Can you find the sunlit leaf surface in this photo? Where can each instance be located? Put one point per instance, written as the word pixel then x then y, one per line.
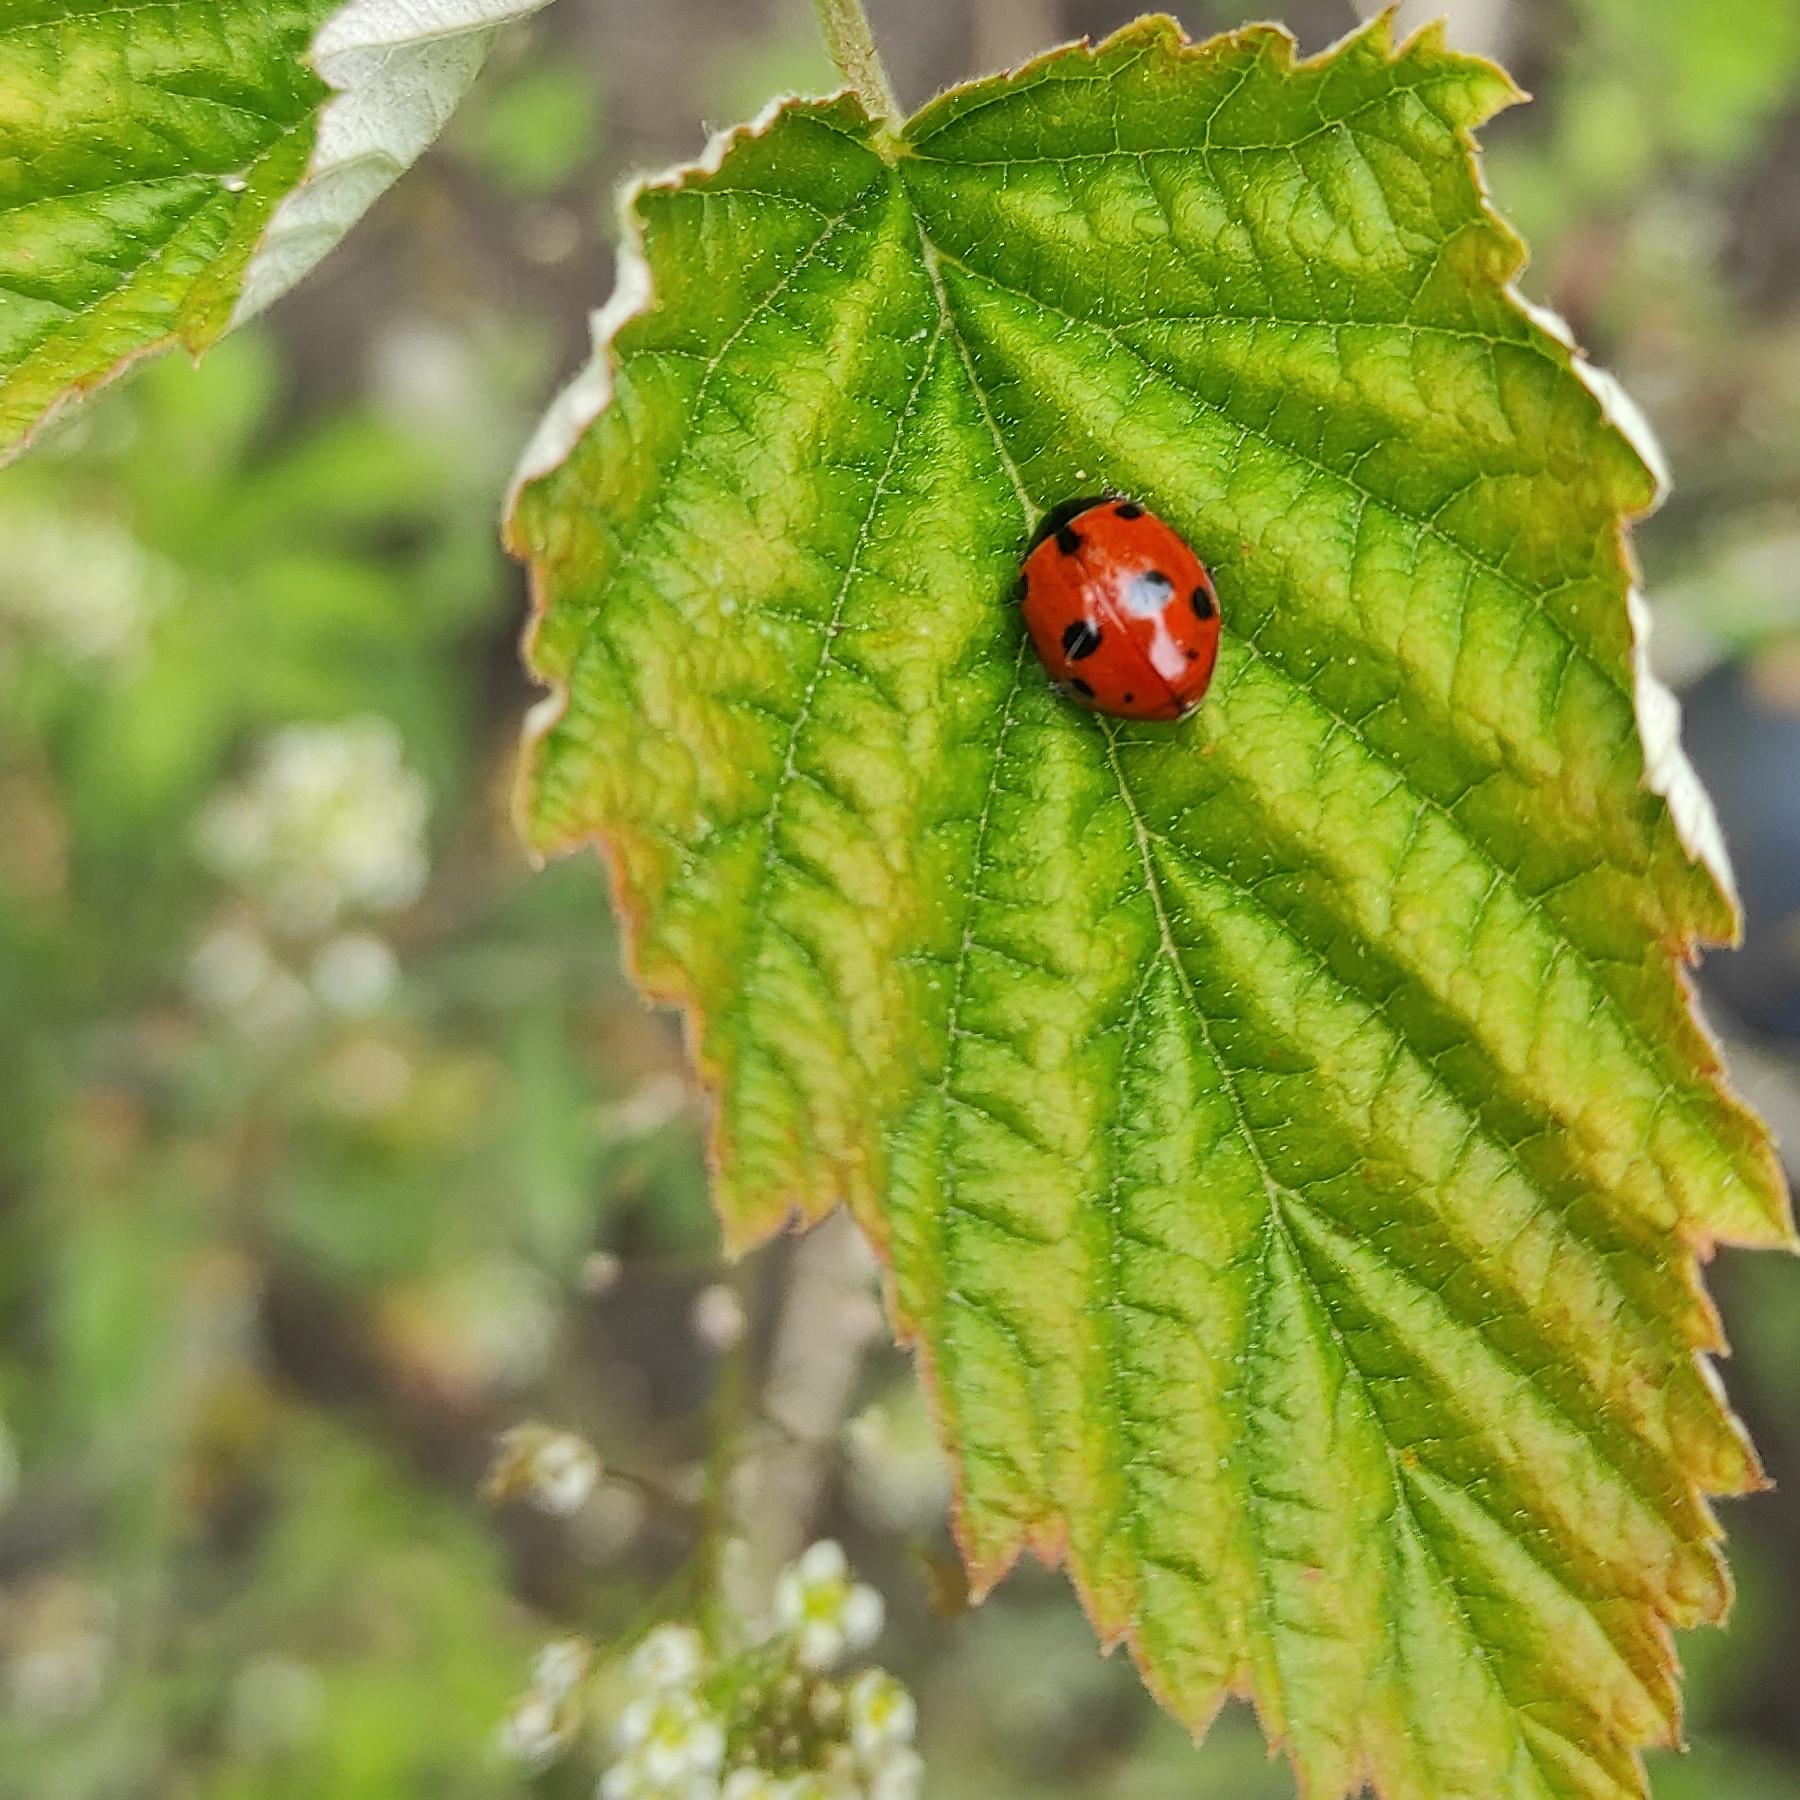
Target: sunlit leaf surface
pixel 1287 1130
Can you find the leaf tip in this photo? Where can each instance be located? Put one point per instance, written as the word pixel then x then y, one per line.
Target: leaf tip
pixel 1482 87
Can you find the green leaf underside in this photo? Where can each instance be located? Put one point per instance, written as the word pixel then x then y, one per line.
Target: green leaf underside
pixel 144 145
pixel 1287 1130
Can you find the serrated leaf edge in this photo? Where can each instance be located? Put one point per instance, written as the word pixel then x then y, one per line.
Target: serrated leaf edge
pixel 1667 773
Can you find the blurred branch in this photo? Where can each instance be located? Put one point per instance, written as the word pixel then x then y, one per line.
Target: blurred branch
pixel 828 1317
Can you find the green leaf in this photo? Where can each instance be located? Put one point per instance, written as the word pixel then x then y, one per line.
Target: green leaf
pixel 1287 1131
pixel 169 167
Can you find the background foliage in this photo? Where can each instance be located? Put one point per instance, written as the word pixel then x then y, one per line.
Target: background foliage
pixel 331 1142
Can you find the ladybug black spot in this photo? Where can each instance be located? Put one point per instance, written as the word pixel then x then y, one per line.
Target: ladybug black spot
pixel 1129 698
pixel 1193 656
pixel 1128 509
pixel 1068 540
pixel 1080 639
pixel 1204 604
pixel 1081 687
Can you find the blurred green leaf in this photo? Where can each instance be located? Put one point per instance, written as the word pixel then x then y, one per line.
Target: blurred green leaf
pixel 1698 83
pixel 164 174
pixel 535 131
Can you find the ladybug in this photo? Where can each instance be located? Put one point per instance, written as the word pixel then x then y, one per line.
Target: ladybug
pixel 1121 611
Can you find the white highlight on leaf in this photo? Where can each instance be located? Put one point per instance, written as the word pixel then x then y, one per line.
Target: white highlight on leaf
pixel 1545 318
pixel 1667 770
pixel 399 68
pixel 1625 416
pixel 589 394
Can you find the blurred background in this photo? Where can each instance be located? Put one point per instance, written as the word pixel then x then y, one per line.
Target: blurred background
pixel 332 1143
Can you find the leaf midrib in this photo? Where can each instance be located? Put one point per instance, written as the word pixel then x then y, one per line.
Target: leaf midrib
pixel 1274 1191
pixel 1420 522
pixel 931 254
pixel 1614 680
pixel 1032 511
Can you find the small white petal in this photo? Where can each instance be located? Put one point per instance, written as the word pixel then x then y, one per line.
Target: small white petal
pixel 564 1474
pixel 623 1781
pixel 790 1600
pixel 560 1667
pixel 899 1777
pixel 530 1733
pixel 670 1657
pixel 634 1724
pixel 822 1562
pixel 718 1317
pixel 819 1644
pixel 706 1745
pixel 863 1615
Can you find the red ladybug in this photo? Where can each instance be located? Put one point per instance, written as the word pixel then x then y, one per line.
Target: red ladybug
pixel 1122 612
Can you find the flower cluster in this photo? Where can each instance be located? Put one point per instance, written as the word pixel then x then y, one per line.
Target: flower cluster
pixel 769 1720
pixel 82 587
pixel 331 821
pixel 329 825
pixel 555 1471
pixel 546 1717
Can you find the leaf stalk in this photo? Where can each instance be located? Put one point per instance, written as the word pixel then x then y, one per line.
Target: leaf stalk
pixel 851 42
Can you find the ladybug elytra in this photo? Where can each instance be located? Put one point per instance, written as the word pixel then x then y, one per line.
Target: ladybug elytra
pixel 1121 611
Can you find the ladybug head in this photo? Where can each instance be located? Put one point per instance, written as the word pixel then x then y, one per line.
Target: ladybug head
pixel 1058 516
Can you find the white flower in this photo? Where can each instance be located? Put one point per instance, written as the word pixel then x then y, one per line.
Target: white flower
pixel 825 1611
pixel 355 973
pixel 898 1776
pixel 671 1735
pixel 560 1668
pixel 753 1784
pixel 534 1732
pixel 555 1470
pixel 717 1317
pixel 233 972
pixel 623 1781
pixel 80 584
pixel 883 1715
pixel 564 1472
pixel 672 1656
pixel 543 1723
pixel 329 821
pixel 634 1780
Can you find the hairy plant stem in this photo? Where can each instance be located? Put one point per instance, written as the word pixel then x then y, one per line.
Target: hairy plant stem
pixel 852 45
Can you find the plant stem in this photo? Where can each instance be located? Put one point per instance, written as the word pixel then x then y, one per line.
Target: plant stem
pixel 852 46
